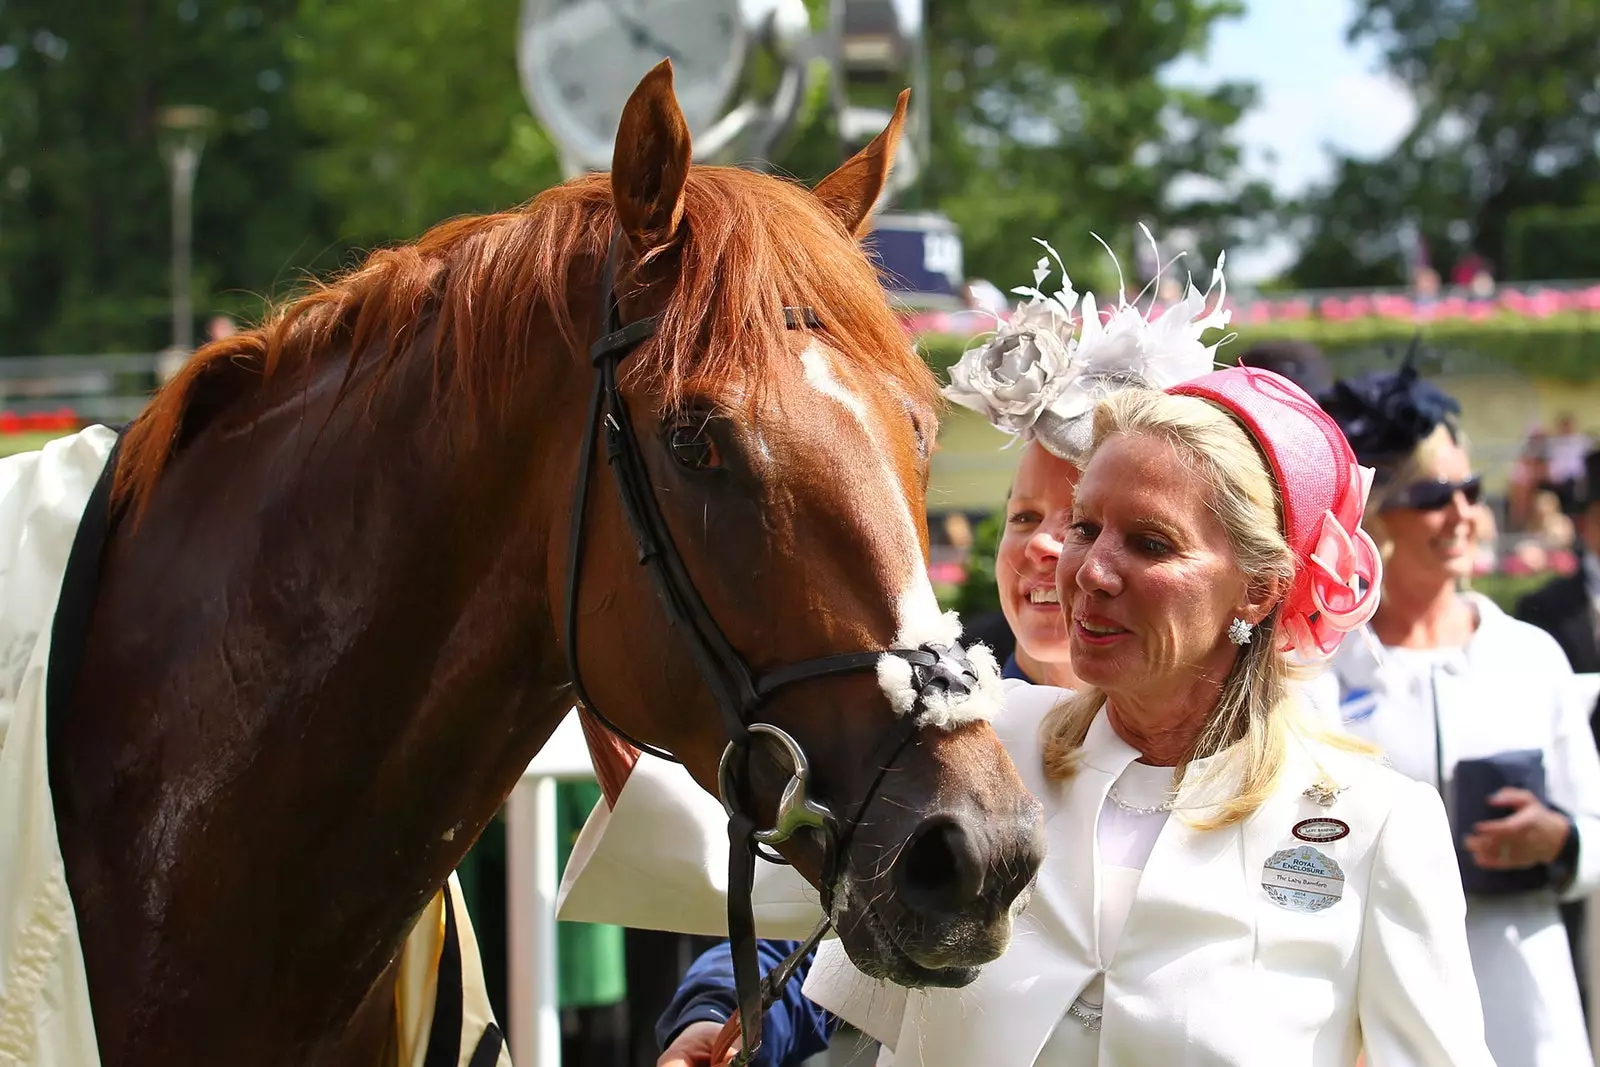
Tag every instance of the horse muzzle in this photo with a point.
(945, 904)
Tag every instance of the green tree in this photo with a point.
(84, 203)
(1051, 119)
(349, 123)
(418, 111)
(1508, 97)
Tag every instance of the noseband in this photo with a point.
(740, 693)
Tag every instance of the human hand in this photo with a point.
(1532, 834)
(695, 1046)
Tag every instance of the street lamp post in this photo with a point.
(184, 136)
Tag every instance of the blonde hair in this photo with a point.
(1414, 468)
(1258, 710)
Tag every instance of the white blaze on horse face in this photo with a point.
(819, 372)
(918, 619)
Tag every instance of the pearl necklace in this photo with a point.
(1160, 809)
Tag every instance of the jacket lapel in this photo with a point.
(1580, 638)
(1055, 948)
(1569, 617)
(1070, 897)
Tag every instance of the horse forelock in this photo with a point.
(480, 295)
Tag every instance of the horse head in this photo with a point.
(784, 425)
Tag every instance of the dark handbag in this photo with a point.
(1476, 780)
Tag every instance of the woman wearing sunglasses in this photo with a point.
(1479, 705)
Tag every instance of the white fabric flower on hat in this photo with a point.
(1015, 373)
(1040, 375)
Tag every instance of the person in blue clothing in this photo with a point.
(793, 1031)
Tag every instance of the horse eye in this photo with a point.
(918, 428)
(693, 448)
(924, 446)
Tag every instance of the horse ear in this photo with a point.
(851, 191)
(650, 163)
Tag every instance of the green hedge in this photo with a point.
(978, 593)
(13, 443)
(1563, 347)
(1553, 242)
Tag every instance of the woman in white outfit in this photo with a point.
(1480, 707)
(1227, 882)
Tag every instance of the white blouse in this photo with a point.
(1136, 809)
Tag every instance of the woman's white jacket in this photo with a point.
(1209, 968)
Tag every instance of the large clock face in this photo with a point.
(582, 58)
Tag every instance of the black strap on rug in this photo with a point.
(449, 998)
(444, 1037)
(487, 1054)
(69, 630)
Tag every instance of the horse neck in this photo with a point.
(330, 656)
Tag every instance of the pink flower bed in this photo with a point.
(1530, 303)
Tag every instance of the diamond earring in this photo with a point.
(1239, 632)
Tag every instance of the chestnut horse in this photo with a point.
(327, 636)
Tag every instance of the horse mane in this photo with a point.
(476, 288)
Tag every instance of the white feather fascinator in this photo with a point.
(1040, 375)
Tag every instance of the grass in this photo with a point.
(12, 443)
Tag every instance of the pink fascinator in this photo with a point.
(1338, 572)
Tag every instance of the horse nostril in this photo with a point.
(941, 870)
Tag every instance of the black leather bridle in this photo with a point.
(739, 691)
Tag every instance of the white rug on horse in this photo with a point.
(45, 1016)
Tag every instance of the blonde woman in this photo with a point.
(1479, 707)
(1227, 882)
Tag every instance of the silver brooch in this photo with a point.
(1323, 792)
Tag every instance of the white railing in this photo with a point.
(109, 388)
(534, 1029)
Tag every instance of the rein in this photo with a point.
(739, 692)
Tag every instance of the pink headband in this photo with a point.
(1338, 572)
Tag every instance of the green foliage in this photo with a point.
(84, 201)
(1509, 99)
(13, 443)
(979, 591)
(1506, 589)
(345, 124)
(1049, 120)
(1553, 242)
(418, 112)
(1562, 347)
